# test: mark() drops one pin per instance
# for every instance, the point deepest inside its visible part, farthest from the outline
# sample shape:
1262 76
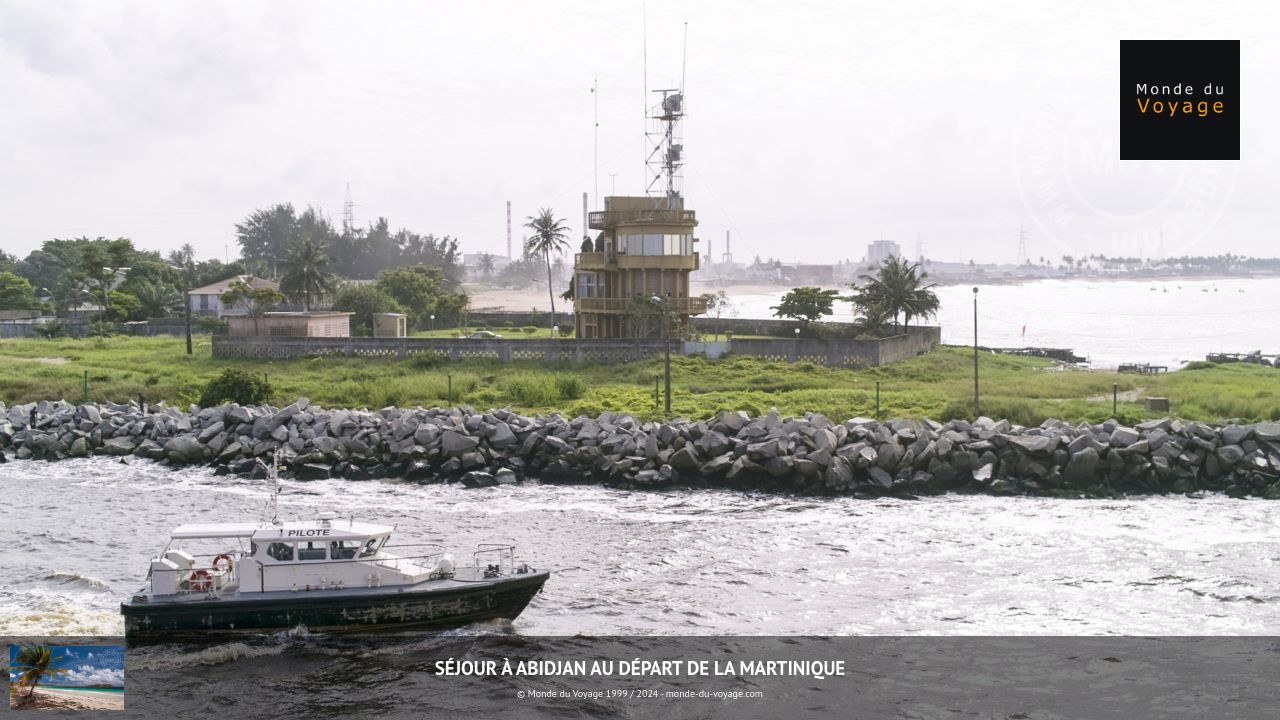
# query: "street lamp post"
976 412
433 323
796 347
666 353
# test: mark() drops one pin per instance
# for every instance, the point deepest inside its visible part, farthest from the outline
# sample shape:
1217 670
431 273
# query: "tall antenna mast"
595 96
666 146
348 213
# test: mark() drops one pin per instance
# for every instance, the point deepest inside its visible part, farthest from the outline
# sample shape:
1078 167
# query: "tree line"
898 290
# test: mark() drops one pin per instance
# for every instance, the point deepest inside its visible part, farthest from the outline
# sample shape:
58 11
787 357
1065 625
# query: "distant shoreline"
498 300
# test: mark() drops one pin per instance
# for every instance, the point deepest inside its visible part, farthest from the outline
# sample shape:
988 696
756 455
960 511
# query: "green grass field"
937 385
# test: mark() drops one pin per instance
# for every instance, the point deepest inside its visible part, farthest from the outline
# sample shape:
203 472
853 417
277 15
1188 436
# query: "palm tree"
158 300
549 235
896 290
306 273
486 264
186 255
32 663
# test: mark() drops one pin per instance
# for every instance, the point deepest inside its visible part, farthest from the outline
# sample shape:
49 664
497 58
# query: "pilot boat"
327 574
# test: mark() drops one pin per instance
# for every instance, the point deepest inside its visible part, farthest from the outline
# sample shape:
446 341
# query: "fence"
280 348
80 329
836 353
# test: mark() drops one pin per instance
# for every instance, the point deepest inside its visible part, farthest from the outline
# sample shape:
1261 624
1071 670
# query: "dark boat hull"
349 610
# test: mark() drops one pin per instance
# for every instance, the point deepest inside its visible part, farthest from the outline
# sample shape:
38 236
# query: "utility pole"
976 412
187 298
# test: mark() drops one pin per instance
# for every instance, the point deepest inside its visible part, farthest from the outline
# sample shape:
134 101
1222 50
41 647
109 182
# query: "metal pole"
1115 398
877 399
450 377
666 369
188 316
85 394
976 411
657 393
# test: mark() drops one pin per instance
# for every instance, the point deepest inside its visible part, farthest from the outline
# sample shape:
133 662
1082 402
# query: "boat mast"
273 474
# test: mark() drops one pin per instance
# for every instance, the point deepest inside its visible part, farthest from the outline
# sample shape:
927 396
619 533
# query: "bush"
236 386
211 325
570 387
50 330
101 328
1200 365
528 330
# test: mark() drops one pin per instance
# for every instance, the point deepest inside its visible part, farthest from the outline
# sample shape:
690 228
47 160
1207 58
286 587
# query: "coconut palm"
32 663
306 273
895 290
486 264
549 235
158 300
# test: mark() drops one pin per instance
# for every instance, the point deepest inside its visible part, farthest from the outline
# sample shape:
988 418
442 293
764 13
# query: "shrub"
101 328
1200 365
211 325
570 387
50 330
528 330
236 386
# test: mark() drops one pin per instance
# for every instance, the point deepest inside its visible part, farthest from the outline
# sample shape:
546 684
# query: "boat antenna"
273 473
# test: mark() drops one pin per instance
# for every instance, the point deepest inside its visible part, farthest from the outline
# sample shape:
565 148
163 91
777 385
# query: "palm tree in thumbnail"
549 236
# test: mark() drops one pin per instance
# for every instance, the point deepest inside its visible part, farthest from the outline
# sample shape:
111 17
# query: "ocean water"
688 562
1162 322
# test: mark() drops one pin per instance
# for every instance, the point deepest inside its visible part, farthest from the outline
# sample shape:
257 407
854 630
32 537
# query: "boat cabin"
320 554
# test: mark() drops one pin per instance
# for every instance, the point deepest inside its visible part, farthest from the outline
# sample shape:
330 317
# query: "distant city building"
768 270
798 274
646 252
880 250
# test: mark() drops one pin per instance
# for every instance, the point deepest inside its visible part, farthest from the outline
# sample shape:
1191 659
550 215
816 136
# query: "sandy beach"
59 699
491 300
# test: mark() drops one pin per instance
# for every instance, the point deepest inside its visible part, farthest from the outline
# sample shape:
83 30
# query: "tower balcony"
680 305
615 261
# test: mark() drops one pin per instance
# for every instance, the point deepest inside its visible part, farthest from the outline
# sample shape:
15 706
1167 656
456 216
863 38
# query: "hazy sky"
813 127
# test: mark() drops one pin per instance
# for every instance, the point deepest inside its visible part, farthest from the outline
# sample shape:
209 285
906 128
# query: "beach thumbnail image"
66 677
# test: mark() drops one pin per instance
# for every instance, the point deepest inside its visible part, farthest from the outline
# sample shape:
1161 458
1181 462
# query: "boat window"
311 552
343 549
280 551
371 547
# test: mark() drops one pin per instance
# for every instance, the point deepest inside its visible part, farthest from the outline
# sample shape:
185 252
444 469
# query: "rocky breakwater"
809 454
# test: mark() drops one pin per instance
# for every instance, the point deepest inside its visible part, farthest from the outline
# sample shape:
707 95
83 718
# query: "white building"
880 250
207 300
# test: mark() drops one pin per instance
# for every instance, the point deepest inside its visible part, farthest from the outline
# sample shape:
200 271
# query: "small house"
321 324
207 300
393 325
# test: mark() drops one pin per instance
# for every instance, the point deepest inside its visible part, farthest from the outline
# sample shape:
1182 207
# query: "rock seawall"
811 454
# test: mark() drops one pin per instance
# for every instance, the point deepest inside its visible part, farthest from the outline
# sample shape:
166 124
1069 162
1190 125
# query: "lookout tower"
645 246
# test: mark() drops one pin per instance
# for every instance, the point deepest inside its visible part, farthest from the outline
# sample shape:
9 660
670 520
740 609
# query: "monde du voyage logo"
1179 99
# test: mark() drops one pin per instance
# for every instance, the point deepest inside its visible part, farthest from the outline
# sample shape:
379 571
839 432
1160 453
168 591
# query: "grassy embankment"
938 385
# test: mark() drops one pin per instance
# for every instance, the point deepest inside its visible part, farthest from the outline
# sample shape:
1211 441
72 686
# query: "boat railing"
494 556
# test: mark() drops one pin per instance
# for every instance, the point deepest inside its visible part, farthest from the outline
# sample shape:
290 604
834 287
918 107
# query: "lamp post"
976 412
666 354
796 347
433 323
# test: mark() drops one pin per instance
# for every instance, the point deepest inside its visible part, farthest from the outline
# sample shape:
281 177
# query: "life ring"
201 581
230 562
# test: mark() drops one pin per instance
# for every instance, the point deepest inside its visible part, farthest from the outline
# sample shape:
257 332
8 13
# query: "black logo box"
1186 65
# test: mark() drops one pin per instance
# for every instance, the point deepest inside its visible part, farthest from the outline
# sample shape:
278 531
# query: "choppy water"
79 533
1163 322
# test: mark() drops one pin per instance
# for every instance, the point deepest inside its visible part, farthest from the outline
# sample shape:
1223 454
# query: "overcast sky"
813 127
